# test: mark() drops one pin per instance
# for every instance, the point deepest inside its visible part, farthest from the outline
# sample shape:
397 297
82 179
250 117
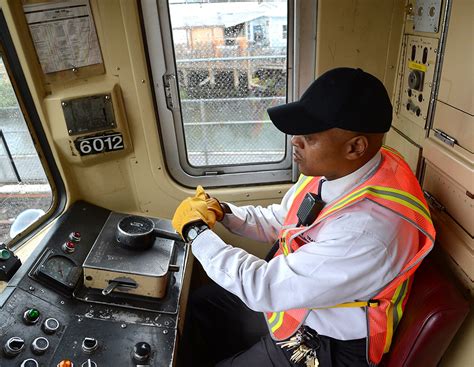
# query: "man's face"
320 154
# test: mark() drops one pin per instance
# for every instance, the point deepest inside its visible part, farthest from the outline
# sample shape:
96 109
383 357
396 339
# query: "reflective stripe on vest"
393 186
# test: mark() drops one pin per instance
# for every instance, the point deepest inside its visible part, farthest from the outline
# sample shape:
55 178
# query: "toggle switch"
14 346
89 363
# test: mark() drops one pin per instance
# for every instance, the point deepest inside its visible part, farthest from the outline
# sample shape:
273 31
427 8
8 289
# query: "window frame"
35 127
158 38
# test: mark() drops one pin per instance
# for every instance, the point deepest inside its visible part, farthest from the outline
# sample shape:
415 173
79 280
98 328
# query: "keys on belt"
304 345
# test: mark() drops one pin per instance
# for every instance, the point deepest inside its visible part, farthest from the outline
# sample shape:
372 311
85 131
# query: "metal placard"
87 145
88 114
427 14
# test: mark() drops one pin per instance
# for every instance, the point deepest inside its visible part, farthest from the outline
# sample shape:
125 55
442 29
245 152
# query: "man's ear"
356 147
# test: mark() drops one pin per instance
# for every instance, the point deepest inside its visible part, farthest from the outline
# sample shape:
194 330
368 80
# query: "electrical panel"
418 67
426 16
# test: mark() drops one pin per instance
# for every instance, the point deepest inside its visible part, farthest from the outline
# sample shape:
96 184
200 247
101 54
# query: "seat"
434 312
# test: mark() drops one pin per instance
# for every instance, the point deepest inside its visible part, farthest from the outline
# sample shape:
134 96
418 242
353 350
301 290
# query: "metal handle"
119 282
173 268
433 202
171 91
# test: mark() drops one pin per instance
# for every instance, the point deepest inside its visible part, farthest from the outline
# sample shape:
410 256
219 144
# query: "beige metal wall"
363 34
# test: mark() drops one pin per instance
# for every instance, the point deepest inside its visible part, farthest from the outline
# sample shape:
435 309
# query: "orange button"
65 363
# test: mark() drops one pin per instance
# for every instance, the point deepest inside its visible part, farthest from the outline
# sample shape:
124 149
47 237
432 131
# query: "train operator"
350 233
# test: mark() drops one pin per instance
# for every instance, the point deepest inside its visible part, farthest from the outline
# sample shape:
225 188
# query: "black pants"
221 331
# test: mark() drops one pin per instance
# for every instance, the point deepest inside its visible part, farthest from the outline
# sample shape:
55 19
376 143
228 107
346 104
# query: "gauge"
58 271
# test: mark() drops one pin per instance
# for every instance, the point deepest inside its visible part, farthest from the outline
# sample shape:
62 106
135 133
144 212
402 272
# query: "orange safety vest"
393 186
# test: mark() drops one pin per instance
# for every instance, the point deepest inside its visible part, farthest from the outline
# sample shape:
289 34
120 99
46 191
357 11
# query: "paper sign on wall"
64 34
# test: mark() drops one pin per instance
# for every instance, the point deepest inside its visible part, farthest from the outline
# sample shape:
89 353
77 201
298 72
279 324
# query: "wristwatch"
193 230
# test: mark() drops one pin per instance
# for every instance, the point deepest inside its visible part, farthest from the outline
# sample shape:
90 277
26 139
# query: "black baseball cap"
346 98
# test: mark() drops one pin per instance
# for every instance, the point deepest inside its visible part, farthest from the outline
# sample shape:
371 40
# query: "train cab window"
25 193
217 66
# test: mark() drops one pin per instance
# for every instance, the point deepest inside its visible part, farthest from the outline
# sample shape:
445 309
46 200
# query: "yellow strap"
389 335
370 303
273 317
384 193
302 185
392 150
280 321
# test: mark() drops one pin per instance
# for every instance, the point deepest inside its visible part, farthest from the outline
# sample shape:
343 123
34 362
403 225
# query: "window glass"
231 63
25 194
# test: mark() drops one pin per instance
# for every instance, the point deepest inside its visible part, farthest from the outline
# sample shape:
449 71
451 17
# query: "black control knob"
89 363
415 80
40 345
30 362
13 346
50 325
141 352
89 345
31 316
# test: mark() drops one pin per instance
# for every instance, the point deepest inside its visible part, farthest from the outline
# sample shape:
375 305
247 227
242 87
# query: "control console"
92 294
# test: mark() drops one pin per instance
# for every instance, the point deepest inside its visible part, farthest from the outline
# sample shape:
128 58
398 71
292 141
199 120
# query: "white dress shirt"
350 256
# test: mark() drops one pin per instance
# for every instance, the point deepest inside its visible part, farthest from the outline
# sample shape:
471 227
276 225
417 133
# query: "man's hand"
215 206
193 209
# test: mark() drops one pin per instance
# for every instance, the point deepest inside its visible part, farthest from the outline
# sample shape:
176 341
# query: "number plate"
99 144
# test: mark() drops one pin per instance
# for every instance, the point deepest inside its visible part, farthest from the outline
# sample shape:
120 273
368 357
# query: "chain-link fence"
229 131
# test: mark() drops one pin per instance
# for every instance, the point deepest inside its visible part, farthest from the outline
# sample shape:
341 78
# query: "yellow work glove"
215 206
193 209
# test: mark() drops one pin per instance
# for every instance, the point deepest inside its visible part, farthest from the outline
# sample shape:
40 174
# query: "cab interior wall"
138 180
